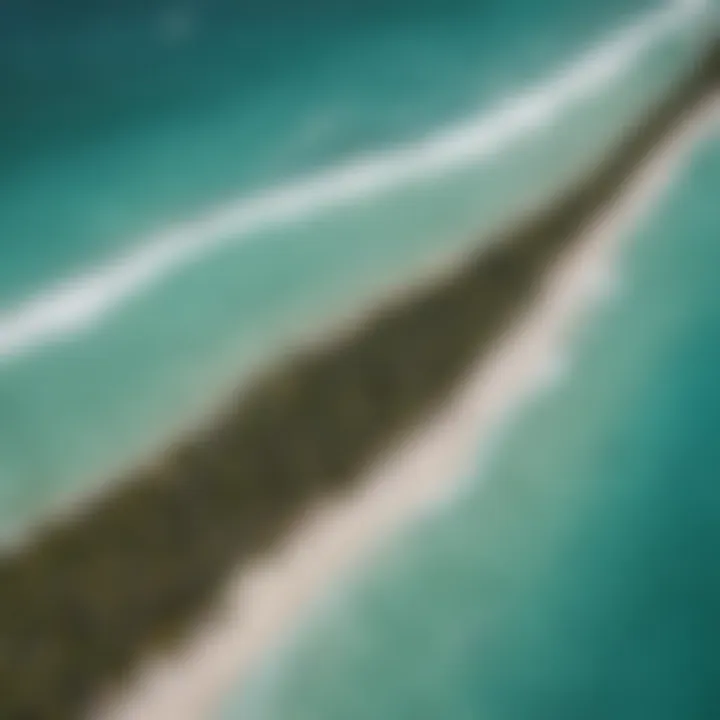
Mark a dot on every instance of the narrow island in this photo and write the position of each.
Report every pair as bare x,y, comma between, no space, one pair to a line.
86,598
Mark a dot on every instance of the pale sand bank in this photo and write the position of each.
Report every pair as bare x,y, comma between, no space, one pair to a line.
261,606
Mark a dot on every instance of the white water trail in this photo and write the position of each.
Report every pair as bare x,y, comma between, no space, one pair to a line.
76,304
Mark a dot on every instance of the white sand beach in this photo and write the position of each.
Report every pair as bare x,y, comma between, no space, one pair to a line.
261,606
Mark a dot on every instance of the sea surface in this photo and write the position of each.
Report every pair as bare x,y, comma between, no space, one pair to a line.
187,188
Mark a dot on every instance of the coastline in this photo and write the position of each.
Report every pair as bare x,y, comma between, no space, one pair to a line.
263,603
89,603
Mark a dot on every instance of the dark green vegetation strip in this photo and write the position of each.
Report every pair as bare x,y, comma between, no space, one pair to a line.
88,596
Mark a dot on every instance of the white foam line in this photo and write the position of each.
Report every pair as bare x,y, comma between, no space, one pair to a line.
76,304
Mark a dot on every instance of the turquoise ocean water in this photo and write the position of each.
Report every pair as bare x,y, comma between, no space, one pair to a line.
182,187
186,187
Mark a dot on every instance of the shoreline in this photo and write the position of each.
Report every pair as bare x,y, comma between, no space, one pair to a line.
88,605
263,603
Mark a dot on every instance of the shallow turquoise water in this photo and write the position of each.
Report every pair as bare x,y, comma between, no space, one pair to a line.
578,576
117,122
105,146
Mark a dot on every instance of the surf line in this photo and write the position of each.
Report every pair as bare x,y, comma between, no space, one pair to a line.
76,304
